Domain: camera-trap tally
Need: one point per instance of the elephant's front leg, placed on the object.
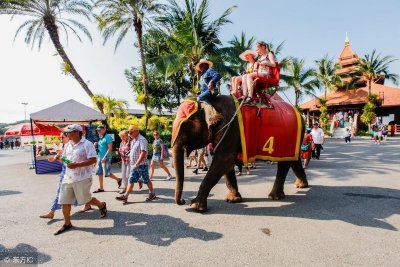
(233, 195)
(220, 165)
(277, 190)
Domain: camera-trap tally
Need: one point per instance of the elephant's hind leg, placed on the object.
(233, 195)
(301, 177)
(277, 190)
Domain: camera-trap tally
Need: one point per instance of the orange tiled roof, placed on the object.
(391, 97)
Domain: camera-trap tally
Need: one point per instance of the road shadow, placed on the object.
(156, 230)
(24, 253)
(357, 205)
(8, 192)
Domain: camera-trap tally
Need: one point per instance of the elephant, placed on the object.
(196, 133)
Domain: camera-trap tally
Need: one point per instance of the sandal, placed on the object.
(119, 182)
(63, 229)
(84, 210)
(98, 191)
(47, 216)
(103, 210)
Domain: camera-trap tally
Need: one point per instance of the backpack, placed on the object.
(166, 152)
(304, 147)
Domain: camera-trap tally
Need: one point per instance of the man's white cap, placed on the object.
(72, 128)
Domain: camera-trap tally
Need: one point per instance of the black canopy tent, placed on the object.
(67, 112)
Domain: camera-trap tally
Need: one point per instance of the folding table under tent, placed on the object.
(67, 112)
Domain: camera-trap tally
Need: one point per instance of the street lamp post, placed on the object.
(25, 104)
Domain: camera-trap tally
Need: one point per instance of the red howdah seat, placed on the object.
(262, 83)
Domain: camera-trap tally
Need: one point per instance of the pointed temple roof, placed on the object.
(348, 60)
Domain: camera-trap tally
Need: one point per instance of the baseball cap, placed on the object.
(72, 128)
(100, 127)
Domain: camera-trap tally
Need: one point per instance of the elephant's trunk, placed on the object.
(178, 157)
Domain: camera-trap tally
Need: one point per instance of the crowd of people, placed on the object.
(80, 156)
(10, 144)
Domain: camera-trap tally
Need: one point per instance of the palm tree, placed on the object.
(48, 16)
(112, 107)
(375, 68)
(232, 52)
(300, 79)
(325, 73)
(192, 36)
(119, 17)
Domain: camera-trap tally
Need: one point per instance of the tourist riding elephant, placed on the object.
(196, 132)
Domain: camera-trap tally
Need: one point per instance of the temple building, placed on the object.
(349, 103)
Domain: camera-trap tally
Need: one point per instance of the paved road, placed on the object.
(350, 215)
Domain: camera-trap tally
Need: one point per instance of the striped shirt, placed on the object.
(138, 145)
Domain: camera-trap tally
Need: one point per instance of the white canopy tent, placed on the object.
(69, 111)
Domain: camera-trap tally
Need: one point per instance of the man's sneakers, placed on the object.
(169, 177)
(151, 197)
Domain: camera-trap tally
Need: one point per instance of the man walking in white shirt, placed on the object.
(318, 139)
(79, 155)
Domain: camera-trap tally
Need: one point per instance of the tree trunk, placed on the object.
(55, 38)
(139, 33)
(195, 76)
(369, 86)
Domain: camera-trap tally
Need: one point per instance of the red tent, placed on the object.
(24, 129)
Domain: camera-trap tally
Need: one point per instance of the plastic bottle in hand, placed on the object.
(65, 160)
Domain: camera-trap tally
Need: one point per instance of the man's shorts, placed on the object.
(378, 134)
(142, 173)
(103, 168)
(76, 191)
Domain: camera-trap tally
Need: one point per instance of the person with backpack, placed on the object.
(306, 148)
(160, 152)
(266, 61)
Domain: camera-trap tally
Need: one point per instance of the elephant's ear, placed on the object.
(187, 108)
(211, 115)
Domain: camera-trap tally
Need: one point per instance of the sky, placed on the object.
(310, 29)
